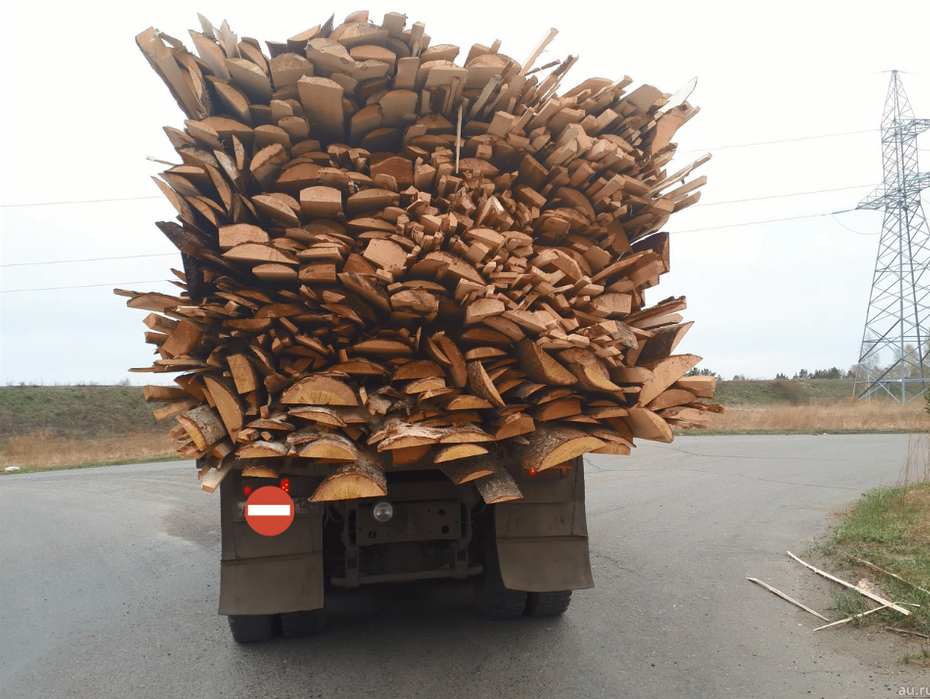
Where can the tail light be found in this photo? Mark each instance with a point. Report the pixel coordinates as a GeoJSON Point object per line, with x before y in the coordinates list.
{"type": "Point", "coordinates": [554, 472]}
{"type": "Point", "coordinates": [283, 483]}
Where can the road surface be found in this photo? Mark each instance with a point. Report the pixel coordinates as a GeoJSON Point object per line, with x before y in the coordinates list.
{"type": "Point", "coordinates": [109, 582]}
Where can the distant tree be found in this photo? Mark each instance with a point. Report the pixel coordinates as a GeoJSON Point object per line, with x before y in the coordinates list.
{"type": "Point", "coordinates": [739, 377]}
{"type": "Point", "coordinates": [831, 373]}
{"type": "Point", "coordinates": [803, 374]}
{"type": "Point", "coordinates": [694, 371]}
{"type": "Point", "coordinates": [780, 376]}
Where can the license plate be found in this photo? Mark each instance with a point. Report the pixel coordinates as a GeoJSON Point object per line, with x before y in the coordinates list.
{"type": "Point", "coordinates": [302, 506]}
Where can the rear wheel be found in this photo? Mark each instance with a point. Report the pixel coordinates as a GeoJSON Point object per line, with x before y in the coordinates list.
{"type": "Point", "coordinates": [548, 603]}
{"type": "Point", "coordinates": [304, 623]}
{"type": "Point", "coordinates": [494, 600]}
{"type": "Point", "coordinates": [248, 628]}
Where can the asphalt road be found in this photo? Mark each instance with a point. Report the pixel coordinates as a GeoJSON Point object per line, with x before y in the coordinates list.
{"type": "Point", "coordinates": [109, 582]}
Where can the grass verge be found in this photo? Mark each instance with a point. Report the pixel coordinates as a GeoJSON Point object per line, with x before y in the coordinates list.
{"type": "Point", "coordinates": [844, 416]}
{"type": "Point", "coordinates": [44, 450]}
{"type": "Point", "coordinates": [890, 528]}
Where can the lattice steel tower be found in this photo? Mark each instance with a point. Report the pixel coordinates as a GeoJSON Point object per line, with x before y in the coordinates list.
{"type": "Point", "coordinates": [896, 341]}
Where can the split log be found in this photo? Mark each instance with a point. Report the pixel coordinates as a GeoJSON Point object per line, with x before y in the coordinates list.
{"type": "Point", "coordinates": [203, 426]}
{"type": "Point", "coordinates": [498, 487]}
{"type": "Point", "coordinates": [552, 447]}
{"type": "Point", "coordinates": [330, 447]}
{"type": "Point", "coordinates": [364, 478]}
{"type": "Point", "coordinates": [467, 470]}
{"type": "Point", "coordinates": [319, 390]}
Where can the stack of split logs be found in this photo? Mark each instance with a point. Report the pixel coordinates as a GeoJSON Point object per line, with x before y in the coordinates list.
{"type": "Point", "coordinates": [390, 258]}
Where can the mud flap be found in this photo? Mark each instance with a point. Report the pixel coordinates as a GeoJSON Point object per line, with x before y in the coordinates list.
{"type": "Point", "coordinates": [272, 586]}
{"type": "Point", "coordinates": [268, 574]}
{"type": "Point", "coordinates": [542, 540]}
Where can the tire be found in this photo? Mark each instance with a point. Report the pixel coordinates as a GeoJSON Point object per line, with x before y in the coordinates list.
{"type": "Point", "coordinates": [301, 624]}
{"type": "Point", "coordinates": [548, 603]}
{"type": "Point", "coordinates": [249, 628]}
{"type": "Point", "coordinates": [493, 600]}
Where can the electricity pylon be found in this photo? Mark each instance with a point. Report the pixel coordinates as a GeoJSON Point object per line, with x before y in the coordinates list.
{"type": "Point", "coordinates": [896, 340]}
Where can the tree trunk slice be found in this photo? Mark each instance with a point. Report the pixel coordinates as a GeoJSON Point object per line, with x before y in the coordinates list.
{"type": "Point", "coordinates": [665, 373]}
{"type": "Point", "coordinates": [319, 390]}
{"type": "Point", "coordinates": [645, 424]}
{"type": "Point", "coordinates": [363, 478]}
{"type": "Point", "coordinates": [182, 339]}
{"type": "Point", "coordinates": [457, 369]}
{"type": "Point", "coordinates": [481, 385]}
{"type": "Point", "coordinates": [261, 449]}
{"type": "Point", "coordinates": [408, 455]}
{"type": "Point", "coordinates": [458, 451]}
{"type": "Point", "coordinates": [203, 426]}
{"type": "Point", "coordinates": [330, 447]}
{"type": "Point", "coordinates": [550, 447]}
{"type": "Point", "coordinates": [258, 471]}
{"type": "Point", "coordinates": [671, 397]}
{"type": "Point", "coordinates": [227, 404]}
{"type": "Point", "coordinates": [539, 365]}
{"type": "Point", "coordinates": [498, 487]}
{"type": "Point", "coordinates": [466, 470]}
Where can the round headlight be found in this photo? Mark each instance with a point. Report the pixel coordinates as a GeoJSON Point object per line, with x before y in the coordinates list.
{"type": "Point", "coordinates": [382, 511]}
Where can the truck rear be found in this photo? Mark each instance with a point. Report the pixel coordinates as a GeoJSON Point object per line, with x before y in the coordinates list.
{"type": "Point", "coordinates": [413, 294]}
{"type": "Point", "coordinates": [523, 556]}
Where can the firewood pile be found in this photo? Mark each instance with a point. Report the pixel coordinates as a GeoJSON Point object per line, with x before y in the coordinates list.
{"type": "Point", "coordinates": [390, 258]}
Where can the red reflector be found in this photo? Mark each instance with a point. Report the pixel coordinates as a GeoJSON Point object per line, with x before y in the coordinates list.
{"type": "Point", "coordinates": [285, 484]}
{"type": "Point", "coordinates": [246, 490]}
{"type": "Point", "coordinates": [532, 471]}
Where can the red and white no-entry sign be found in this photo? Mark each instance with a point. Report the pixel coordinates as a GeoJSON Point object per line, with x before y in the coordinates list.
{"type": "Point", "coordinates": [269, 510]}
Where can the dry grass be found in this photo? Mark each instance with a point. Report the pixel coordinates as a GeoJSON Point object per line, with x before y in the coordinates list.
{"type": "Point", "coordinates": [44, 449]}
{"type": "Point", "coordinates": [832, 416]}
{"type": "Point", "coordinates": [916, 467]}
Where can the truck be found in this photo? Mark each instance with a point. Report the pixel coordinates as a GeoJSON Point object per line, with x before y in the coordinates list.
{"type": "Point", "coordinates": [413, 296]}
{"type": "Point", "coordinates": [523, 557]}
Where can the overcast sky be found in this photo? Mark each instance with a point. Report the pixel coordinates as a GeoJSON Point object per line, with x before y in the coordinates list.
{"type": "Point", "coordinates": [82, 110]}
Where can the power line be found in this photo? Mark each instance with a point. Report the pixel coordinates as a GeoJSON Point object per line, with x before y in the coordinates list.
{"type": "Point", "coordinates": [690, 230]}
{"type": "Point", "coordinates": [76, 201]}
{"type": "Point", "coordinates": [88, 259]}
{"type": "Point", "coordinates": [84, 286]}
{"type": "Point", "coordinates": [781, 196]}
{"type": "Point", "coordinates": [767, 220]}
{"type": "Point", "coordinates": [716, 203]}
{"type": "Point", "coordinates": [780, 140]}
{"type": "Point", "coordinates": [689, 150]}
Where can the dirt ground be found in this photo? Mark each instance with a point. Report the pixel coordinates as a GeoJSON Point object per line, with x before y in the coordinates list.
{"type": "Point", "coordinates": [871, 645]}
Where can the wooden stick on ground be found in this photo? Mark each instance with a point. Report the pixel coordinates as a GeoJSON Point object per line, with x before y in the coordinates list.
{"type": "Point", "coordinates": [912, 633]}
{"type": "Point", "coordinates": [786, 597]}
{"type": "Point", "coordinates": [886, 572]}
{"type": "Point", "coordinates": [850, 618]}
{"type": "Point", "coordinates": [861, 591]}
